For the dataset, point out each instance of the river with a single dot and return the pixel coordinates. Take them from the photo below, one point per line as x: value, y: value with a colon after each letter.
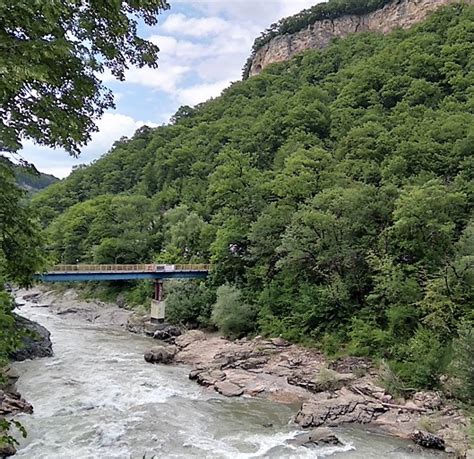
x: 97, y: 398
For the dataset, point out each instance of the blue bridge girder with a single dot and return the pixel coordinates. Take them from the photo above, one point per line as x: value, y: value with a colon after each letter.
x: 97, y: 273
x: 84, y: 277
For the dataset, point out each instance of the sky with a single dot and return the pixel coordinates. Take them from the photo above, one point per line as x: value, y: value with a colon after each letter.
x: 203, y: 47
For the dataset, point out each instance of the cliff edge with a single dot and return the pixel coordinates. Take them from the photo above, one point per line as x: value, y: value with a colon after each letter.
x: 396, y: 14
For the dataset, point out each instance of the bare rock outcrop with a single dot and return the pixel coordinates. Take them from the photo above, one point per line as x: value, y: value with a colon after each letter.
x: 12, y: 403
x: 399, y: 13
x: 35, y: 340
x: 329, y: 394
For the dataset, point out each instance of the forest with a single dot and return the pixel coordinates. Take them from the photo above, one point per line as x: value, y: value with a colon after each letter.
x: 332, y: 193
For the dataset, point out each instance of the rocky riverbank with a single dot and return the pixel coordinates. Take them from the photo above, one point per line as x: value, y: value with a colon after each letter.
x: 34, y: 343
x: 327, y: 394
x: 68, y: 303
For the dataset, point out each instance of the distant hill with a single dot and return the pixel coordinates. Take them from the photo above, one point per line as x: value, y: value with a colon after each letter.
x: 29, y: 178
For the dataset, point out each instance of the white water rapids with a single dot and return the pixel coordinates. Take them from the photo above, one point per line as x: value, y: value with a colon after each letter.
x: 98, y: 398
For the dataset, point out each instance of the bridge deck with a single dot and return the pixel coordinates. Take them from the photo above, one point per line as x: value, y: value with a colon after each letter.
x: 78, y: 273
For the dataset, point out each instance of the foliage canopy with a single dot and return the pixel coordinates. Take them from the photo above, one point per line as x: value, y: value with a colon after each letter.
x: 334, y: 194
x: 50, y: 55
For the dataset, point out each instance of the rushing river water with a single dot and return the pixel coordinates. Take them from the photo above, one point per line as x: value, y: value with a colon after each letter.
x: 97, y: 398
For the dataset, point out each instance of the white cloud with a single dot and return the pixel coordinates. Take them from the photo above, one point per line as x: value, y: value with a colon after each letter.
x: 165, y: 78
x: 256, y: 11
x: 201, y: 92
x: 194, y: 27
x: 112, y: 126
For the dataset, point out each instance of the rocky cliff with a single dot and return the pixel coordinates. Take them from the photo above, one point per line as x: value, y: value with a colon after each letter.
x: 399, y: 13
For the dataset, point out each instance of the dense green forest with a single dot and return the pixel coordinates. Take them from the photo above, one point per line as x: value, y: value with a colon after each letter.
x: 322, y: 11
x: 333, y: 194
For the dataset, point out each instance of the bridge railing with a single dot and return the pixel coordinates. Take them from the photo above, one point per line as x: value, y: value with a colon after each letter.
x: 91, y: 268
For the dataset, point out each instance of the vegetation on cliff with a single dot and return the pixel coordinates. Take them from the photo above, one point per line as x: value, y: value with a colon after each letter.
x: 330, y: 10
x: 333, y: 193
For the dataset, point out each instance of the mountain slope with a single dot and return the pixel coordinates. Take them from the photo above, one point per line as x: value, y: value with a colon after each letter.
x: 333, y: 192
x: 28, y: 179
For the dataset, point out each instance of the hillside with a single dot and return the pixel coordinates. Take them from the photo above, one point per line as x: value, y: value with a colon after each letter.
x: 333, y: 193
x: 30, y: 179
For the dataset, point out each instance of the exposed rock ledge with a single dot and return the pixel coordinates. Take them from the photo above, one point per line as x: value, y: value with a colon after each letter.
x: 68, y: 303
x: 345, y: 391
x: 399, y: 13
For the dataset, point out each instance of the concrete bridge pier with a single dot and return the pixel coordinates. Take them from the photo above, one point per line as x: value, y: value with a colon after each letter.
x: 157, y: 310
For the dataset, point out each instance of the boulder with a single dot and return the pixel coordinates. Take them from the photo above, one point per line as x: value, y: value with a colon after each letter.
x: 427, y: 440
x: 228, y: 389
x: 35, y: 341
x: 280, y: 342
x: 12, y: 403
x: 161, y: 354
x: 167, y: 332
x: 195, y: 372
x: 7, y: 450
x: 429, y: 400
x: 32, y: 297
x: 332, y: 409
x: 316, y: 437
x: 10, y: 377
x: 136, y: 323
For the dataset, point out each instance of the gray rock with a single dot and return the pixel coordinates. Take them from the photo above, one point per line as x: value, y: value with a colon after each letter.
x: 194, y: 373
x: 166, y: 332
x: 427, y: 440
x: 228, y: 389
x: 330, y: 380
x: 12, y: 403
x: 7, y: 450
x: 33, y: 297
x: 35, y: 341
x: 210, y: 378
x: 161, y: 354
x: 316, y: 437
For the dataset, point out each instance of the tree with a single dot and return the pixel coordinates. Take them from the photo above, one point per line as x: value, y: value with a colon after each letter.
x: 20, y: 258
x: 231, y: 313
x: 50, y: 55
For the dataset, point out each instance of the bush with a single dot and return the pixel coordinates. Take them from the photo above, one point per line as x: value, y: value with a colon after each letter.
x: 462, y: 365
x: 367, y: 339
x: 422, y: 360
x: 231, y: 314
x: 189, y: 304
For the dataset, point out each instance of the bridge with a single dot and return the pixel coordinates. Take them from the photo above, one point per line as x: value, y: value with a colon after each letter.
x: 156, y: 272
x: 81, y: 273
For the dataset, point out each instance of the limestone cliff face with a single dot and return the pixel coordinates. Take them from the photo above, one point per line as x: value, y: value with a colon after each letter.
x: 399, y: 13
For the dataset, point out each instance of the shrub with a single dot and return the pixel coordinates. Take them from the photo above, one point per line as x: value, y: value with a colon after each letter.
x: 189, y: 304
x: 422, y: 360
x: 367, y: 339
x: 462, y: 365
x: 231, y: 314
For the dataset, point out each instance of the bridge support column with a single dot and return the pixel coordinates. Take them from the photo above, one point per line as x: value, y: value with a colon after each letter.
x: 157, y: 311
